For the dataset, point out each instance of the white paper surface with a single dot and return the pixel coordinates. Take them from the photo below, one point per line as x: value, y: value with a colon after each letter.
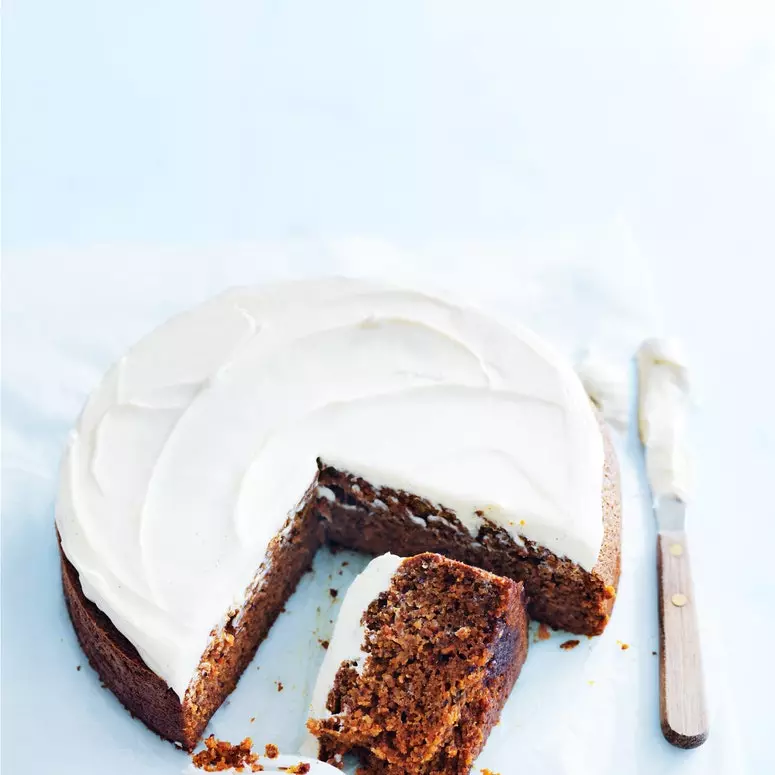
x: 590, y: 710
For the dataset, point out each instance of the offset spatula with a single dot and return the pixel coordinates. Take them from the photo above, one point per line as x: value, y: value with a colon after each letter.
x: 662, y: 418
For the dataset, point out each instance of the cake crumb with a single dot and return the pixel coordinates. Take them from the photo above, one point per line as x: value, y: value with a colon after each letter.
x: 324, y: 643
x: 485, y: 771
x: 345, y: 563
x: 569, y: 644
x: 653, y: 653
x: 333, y: 592
x: 221, y: 755
x: 252, y: 719
x: 543, y: 632
x: 271, y: 751
x: 301, y: 768
x: 463, y: 633
x: 280, y: 686
x: 623, y: 646
x: 78, y: 668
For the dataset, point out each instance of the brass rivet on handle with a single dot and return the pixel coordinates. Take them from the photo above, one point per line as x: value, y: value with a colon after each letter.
x: 679, y: 600
x: 676, y: 550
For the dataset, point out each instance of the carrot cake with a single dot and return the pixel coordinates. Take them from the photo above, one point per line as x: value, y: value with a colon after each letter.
x: 216, y: 457
x: 423, y: 657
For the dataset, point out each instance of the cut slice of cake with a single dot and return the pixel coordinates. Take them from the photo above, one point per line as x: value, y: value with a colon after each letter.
x: 424, y: 654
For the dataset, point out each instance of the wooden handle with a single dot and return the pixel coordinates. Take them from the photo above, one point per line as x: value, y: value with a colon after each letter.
x: 682, y: 691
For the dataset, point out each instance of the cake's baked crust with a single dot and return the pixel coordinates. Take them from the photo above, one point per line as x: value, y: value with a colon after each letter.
x: 560, y: 592
x: 144, y: 693
x: 118, y: 664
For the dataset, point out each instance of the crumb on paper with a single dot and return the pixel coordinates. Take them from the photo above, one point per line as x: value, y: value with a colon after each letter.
x: 301, y: 768
x: 78, y: 668
x: 569, y: 644
x: 333, y: 592
x: 623, y: 646
x: 653, y: 653
x: 345, y: 563
x: 280, y: 686
x: 324, y: 643
x: 221, y: 755
x: 542, y: 633
x: 271, y: 751
x: 485, y: 771
x: 252, y: 719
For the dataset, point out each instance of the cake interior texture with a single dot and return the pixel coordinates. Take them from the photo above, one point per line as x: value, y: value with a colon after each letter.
x: 444, y: 644
x: 347, y: 510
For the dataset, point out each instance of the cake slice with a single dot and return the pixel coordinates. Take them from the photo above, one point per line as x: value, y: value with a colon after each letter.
x: 424, y: 654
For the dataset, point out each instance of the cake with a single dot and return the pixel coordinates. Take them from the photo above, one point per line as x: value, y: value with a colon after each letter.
x: 226, y: 447
x: 424, y: 654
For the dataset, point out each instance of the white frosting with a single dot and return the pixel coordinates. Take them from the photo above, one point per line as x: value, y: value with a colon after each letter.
x: 280, y: 763
x: 607, y: 386
x: 662, y: 416
x: 349, y: 635
x: 196, y: 446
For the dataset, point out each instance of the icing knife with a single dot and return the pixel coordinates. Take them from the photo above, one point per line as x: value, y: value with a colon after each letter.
x: 662, y: 425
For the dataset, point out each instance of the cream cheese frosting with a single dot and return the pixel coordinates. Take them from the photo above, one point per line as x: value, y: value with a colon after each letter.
x: 190, y: 455
x: 663, y: 410
x: 349, y: 636
x: 607, y: 386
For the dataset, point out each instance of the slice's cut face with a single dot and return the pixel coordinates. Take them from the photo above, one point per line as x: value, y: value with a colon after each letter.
x: 441, y: 647
x: 190, y: 457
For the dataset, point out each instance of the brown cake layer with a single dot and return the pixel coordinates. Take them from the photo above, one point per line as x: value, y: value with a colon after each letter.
x: 445, y: 643
x: 560, y: 593
x: 146, y: 695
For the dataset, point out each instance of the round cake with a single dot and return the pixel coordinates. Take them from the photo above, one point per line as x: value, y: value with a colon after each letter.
x: 216, y: 457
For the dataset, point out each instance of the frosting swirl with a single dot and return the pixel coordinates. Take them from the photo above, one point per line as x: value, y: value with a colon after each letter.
x: 191, y: 453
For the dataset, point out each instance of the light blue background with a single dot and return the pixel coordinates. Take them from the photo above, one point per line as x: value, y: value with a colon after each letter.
x: 200, y: 123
